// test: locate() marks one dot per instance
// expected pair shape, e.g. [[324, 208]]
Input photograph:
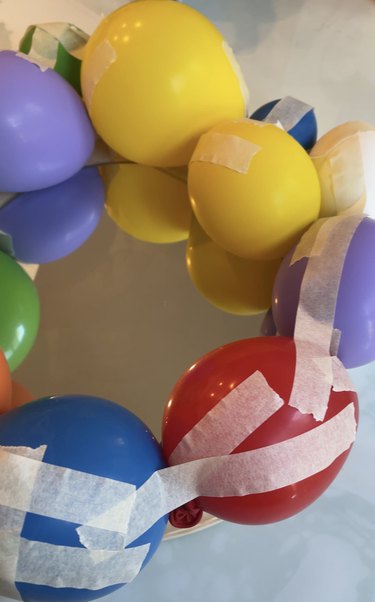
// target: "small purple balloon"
[[355, 308], [46, 225], [45, 134]]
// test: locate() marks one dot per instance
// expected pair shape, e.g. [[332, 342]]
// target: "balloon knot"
[[186, 516]]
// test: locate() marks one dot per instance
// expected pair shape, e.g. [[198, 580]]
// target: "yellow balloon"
[[231, 283], [148, 203], [253, 188], [344, 159], [155, 76]]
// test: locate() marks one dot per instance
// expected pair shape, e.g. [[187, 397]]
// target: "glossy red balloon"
[[211, 378]]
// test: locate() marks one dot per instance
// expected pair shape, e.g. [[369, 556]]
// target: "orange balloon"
[[20, 395], [5, 384]]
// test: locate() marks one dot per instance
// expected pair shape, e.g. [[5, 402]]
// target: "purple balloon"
[[355, 308], [45, 134], [268, 326], [48, 224]]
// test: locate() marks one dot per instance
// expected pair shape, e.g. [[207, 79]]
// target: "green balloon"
[[19, 311]]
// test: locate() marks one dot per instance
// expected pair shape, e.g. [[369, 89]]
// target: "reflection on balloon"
[[46, 225], [147, 203], [253, 188], [231, 283], [19, 312]]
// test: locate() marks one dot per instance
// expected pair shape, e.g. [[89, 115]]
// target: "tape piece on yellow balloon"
[[226, 150], [316, 311], [100, 60], [237, 69]]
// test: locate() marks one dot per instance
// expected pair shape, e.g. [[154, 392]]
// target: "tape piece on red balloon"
[[316, 311], [226, 150], [252, 402], [115, 514], [288, 112]]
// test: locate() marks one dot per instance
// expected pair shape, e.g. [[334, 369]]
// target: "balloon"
[[231, 283], [268, 326], [147, 203], [5, 384], [152, 87], [213, 377], [45, 134], [93, 436], [304, 131], [253, 188], [19, 312], [48, 224], [344, 159], [355, 308], [20, 395]]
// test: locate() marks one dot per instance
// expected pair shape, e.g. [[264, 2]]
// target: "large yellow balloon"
[[155, 76], [148, 203], [344, 159], [253, 188], [236, 285]]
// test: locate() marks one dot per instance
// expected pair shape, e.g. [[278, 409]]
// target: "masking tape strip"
[[288, 112], [310, 244], [315, 316], [252, 402], [43, 64], [237, 70], [77, 497], [252, 472], [99, 61], [47, 37], [255, 471], [60, 566], [11, 525], [367, 145], [346, 159], [341, 376], [225, 150]]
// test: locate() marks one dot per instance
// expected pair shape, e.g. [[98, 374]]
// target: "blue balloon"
[[91, 435], [46, 225], [305, 131]]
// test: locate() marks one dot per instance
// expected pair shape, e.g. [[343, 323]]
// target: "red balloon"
[[213, 377]]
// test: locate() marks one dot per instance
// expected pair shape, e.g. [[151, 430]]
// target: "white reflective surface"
[[121, 320]]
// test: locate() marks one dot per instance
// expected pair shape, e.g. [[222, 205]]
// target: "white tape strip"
[[47, 36], [288, 112], [251, 403], [100, 60], [12, 521], [43, 64], [252, 472], [61, 493], [60, 566], [315, 315], [237, 69], [225, 150]]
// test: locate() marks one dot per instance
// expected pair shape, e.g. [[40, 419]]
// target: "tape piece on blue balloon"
[[288, 112]]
